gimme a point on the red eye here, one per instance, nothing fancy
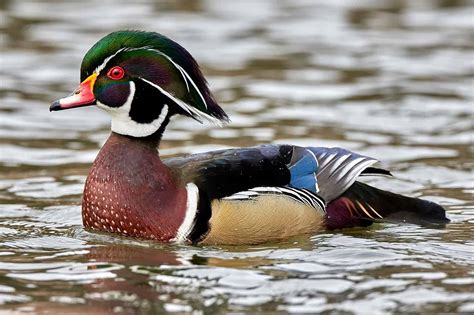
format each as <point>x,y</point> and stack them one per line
<point>116,73</point>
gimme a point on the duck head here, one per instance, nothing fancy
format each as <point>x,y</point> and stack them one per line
<point>142,79</point>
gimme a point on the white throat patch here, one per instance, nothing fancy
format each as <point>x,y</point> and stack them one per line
<point>123,124</point>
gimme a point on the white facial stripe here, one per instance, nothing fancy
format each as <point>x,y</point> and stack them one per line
<point>179,102</point>
<point>124,125</point>
<point>185,75</point>
<point>181,70</point>
<point>106,60</point>
<point>188,108</point>
<point>191,209</point>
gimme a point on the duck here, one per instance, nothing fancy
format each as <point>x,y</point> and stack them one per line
<point>236,196</point>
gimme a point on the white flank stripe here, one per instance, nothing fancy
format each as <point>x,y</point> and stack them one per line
<point>191,210</point>
<point>300,195</point>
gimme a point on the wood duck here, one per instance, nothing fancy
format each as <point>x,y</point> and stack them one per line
<point>233,196</point>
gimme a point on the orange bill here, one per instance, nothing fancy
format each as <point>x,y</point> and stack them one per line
<point>83,96</point>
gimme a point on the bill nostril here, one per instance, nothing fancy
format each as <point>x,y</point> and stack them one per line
<point>76,92</point>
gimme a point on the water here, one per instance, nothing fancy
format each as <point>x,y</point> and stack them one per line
<point>392,79</point>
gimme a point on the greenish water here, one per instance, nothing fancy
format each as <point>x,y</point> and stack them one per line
<point>391,79</point>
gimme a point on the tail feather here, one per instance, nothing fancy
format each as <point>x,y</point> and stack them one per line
<point>371,171</point>
<point>362,204</point>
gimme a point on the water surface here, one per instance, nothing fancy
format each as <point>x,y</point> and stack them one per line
<point>391,79</point>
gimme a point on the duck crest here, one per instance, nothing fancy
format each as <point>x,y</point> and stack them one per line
<point>131,192</point>
<point>158,61</point>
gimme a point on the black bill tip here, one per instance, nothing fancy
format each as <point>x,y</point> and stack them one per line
<point>55,106</point>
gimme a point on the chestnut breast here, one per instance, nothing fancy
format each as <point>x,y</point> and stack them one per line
<point>130,191</point>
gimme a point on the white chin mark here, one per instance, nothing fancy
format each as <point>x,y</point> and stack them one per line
<point>124,125</point>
